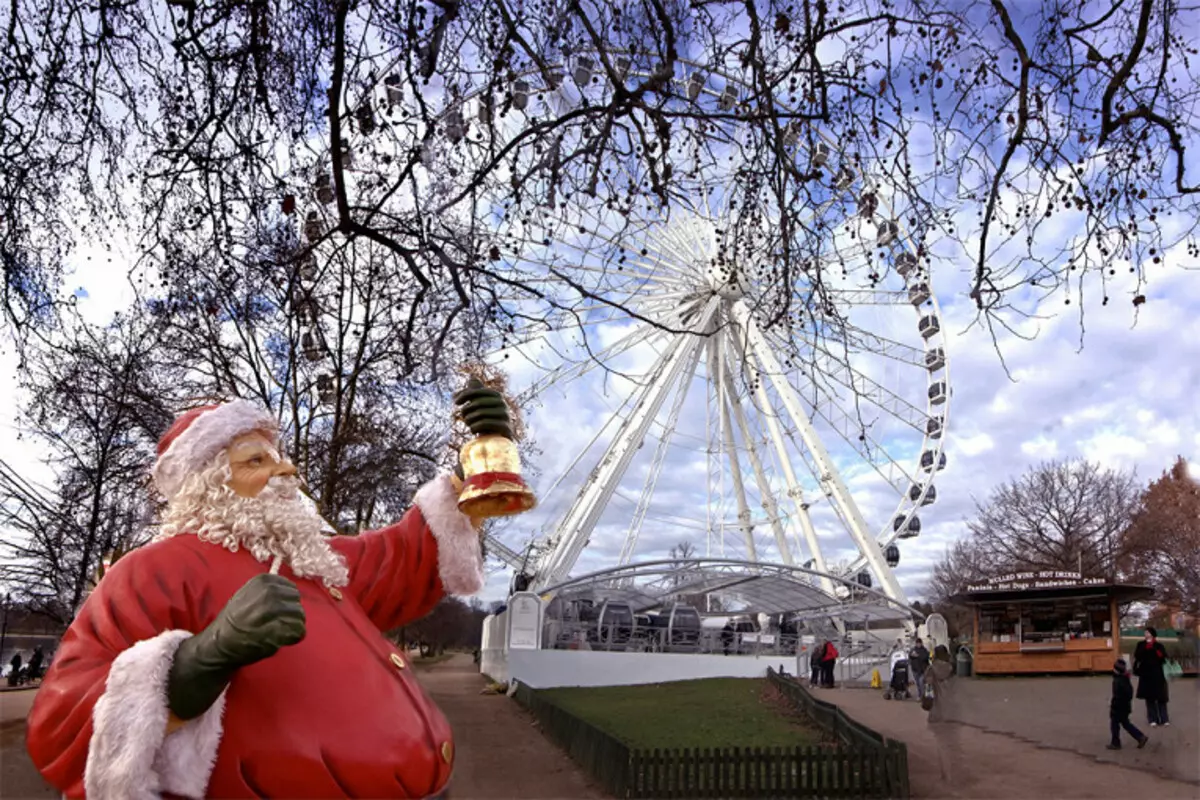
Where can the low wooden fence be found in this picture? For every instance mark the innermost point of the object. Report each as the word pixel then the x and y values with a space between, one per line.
pixel 860 763
pixel 827 716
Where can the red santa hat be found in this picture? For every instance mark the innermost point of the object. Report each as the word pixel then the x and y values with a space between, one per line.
pixel 199 434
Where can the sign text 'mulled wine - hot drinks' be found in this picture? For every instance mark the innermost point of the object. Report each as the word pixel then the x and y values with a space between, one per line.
pixel 1046 579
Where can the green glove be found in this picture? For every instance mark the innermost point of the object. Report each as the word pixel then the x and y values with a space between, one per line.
pixel 484 410
pixel 262 617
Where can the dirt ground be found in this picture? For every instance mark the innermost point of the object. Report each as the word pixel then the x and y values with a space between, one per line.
pixel 1001 765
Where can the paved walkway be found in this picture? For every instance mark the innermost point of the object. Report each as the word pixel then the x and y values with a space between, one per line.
pixel 984 764
pixel 1072 714
pixel 501 753
pixel 18 778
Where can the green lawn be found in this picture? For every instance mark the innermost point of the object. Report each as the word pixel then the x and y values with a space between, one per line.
pixel 716 712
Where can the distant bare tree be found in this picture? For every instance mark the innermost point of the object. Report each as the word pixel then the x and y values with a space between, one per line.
pixel 453 624
pixel 95 405
pixel 960 565
pixel 357 373
pixel 1059 515
pixel 682 572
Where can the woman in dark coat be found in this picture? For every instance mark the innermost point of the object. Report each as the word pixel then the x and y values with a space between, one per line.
pixel 1148 660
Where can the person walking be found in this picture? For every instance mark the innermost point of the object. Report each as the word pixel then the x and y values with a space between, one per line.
pixel 918 662
pixel 1121 707
pixel 941 703
pixel 1148 659
pixel 35 664
pixel 828 662
pixel 14 677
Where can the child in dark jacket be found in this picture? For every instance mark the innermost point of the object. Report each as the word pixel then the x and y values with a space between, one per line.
pixel 1121 707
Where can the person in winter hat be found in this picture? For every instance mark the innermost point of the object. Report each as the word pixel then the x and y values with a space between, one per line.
pixel 1149 660
pixel 195 668
pixel 1121 707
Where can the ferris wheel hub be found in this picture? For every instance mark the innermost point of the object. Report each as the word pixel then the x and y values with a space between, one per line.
pixel 728 281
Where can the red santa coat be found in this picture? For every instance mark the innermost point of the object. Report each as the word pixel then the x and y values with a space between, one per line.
pixel 337 715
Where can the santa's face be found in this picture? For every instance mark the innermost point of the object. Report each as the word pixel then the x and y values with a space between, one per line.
pixel 253 461
pixel 249 497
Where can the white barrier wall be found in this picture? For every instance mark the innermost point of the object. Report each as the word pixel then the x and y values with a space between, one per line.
pixel 544 669
pixel 493 647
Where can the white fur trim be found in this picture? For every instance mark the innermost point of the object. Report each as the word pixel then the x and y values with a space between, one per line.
pixel 130 755
pixel 209 434
pixel 460 552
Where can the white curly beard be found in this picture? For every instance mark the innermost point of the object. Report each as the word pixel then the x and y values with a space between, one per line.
pixel 278 522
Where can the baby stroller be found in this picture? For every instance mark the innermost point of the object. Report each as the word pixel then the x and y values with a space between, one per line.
pixel 898 685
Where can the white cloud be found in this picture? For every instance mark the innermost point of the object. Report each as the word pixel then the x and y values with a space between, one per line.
pixel 973 445
pixel 1040 448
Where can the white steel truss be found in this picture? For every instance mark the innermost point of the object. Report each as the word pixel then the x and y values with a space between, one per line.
pixel 764 487
pixel 735 468
pixel 831 479
pixel 660 457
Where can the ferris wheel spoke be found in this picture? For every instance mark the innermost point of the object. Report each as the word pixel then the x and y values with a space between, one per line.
pixel 822 361
pixel 611 422
pixel 611 282
pixel 850 431
pixel 571 371
pixel 868 297
pixel 833 372
pixel 863 386
pixel 651 265
pixel 540 329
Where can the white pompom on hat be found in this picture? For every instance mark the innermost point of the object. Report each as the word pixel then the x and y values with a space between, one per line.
pixel 199 434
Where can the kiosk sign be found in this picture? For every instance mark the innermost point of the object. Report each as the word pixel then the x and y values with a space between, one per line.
pixel 524 621
pixel 1046 579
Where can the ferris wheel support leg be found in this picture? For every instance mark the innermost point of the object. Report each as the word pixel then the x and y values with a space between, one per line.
pixel 735 468
pixel 660 457
pixel 576 526
pixel 794 489
pixel 760 476
pixel 830 476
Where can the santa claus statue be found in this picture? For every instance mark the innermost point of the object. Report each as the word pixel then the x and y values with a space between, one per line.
pixel 194 670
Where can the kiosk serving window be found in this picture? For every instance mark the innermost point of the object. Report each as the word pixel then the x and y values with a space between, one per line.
pixel 999 622
pixel 1045 624
pixel 1049 624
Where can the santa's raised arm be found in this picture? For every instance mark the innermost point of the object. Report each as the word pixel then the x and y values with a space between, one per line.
pixel 192 671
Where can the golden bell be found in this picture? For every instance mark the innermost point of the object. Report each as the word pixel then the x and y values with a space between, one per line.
pixel 492 485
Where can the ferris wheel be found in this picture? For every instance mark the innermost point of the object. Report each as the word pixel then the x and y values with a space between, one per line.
pixel 807 432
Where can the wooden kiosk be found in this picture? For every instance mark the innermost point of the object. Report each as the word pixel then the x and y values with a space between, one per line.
pixel 1040 622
